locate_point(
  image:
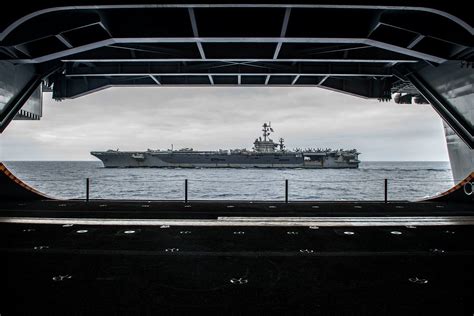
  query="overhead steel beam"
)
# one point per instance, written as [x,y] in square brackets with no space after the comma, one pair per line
[284,26]
[74,87]
[469,28]
[255,40]
[64,40]
[416,41]
[420,37]
[322,80]
[167,51]
[225,74]
[418,32]
[9,51]
[241,60]
[20,49]
[75,91]
[404,51]
[195,32]
[267,79]
[176,68]
[105,29]
[277,50]
[295,79]
[60,35]
[376,26]
[457,123]
[349,88]
[155,80]
[334,49]
[410,46]
[67,52]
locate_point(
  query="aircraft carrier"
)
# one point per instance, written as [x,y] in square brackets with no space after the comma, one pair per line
[149,257]
[265,154]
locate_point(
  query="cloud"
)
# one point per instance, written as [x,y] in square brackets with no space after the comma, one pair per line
[213,118]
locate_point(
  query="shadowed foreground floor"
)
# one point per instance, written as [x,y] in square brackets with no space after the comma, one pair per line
[108,269]
[71,269]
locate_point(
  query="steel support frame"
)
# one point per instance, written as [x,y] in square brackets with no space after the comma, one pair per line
[17,101]
[457,123]
[224,40]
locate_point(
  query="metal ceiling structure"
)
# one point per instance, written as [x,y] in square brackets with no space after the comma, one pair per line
[350,48]
[370,49]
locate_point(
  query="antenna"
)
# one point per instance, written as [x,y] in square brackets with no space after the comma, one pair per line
[266,130]
[282,146]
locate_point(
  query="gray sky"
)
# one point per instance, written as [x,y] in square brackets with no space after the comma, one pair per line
[221,118]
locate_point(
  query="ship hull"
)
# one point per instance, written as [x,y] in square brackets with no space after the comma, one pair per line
[116,159]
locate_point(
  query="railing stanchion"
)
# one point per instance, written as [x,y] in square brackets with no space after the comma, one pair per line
[286,191]
[87,189]
[386,190]
[185,190]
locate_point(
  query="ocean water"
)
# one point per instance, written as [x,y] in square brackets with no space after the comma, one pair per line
[406,181]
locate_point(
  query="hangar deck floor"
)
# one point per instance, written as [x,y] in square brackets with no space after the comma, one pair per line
[336,268]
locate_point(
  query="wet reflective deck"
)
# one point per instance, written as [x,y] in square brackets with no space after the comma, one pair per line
[67,268]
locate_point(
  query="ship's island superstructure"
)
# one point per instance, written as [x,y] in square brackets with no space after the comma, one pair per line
[265,154]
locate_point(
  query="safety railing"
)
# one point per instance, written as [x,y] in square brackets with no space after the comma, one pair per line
[285,190]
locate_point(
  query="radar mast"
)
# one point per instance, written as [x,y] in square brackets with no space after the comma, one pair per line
[266,145]
[267,129]
[282,146]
